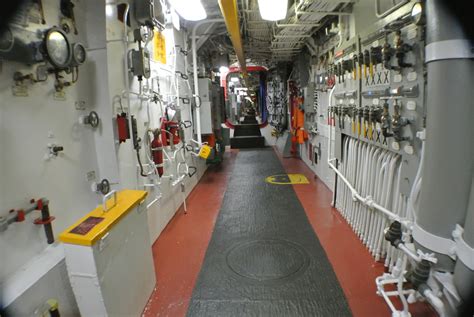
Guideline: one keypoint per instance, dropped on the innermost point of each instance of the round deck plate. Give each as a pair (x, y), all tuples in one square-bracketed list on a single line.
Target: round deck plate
[(267, 260)]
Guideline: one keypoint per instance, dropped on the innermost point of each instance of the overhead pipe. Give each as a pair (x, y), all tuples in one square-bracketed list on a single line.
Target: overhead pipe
[(195, 75), (231, 19), (448, 165)]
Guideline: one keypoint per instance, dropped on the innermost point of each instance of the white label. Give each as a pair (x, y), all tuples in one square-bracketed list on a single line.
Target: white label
[(80, 105), (375, 101), (90, 176), (59, 95), (397, 78), (411, 76), (20, 90), (411, 34), (395, 145), (408, 149), (411, 105)]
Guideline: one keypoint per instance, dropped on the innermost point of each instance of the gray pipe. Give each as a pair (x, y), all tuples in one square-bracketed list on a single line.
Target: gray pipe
[(464, 276), (449, 146)]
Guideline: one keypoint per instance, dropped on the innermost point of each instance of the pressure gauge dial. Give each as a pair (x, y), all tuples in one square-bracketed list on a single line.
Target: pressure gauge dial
[(417, 13), (57, 47), (79, 54)]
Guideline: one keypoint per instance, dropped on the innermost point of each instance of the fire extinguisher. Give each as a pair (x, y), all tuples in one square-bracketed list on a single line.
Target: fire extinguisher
[(157, 151), (169, 129)]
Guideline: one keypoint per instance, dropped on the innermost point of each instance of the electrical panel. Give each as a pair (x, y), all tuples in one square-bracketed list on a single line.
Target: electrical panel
[(309, 98), (211, 106), (276, 103)]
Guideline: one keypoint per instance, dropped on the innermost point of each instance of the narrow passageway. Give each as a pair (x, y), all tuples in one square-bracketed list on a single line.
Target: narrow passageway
[(271, 249), (264, 258)]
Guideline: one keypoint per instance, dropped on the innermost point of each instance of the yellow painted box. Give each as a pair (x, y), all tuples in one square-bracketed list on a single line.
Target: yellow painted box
[(109, 257)]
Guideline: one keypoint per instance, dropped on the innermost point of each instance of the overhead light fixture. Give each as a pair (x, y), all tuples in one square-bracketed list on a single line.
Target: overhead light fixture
[(223, 69), (191, 10), (273, 10)]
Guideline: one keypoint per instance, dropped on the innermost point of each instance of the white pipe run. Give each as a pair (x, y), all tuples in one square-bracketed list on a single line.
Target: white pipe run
[(195, 75), (368, 201), (368, 174)]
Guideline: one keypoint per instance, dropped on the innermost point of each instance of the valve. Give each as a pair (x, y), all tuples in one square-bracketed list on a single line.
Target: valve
[(360, 116), (92, 119), (393, 234), (371, 122), (375, 58), (103, 187), (365, 122), (346, 67), (355, 60), (366, 62), (353, 115), (387, 53), (53, 151), (419, 276), (385, 120), (398, 122), (401, 49)]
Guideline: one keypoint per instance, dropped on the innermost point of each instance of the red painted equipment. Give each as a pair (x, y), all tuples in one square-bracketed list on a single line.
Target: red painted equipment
[(169, 129), (157, 152), (299, 135), (122, 127)]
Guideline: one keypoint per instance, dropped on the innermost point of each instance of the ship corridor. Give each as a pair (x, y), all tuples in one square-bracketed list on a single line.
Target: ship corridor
[(236, 158)]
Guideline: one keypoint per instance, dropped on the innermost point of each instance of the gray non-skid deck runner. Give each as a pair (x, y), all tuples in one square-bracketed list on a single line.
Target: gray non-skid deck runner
[(264, 258)]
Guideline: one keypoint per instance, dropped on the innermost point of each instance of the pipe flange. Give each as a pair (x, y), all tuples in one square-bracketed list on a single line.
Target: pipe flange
[(464, 252)]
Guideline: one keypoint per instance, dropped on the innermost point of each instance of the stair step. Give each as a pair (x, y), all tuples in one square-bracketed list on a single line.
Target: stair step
[(244, 142), (247, 130)]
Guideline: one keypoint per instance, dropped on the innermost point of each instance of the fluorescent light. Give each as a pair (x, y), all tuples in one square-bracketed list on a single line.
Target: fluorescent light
[(223, 69), (109, 10), (273, 10), (191, 10)]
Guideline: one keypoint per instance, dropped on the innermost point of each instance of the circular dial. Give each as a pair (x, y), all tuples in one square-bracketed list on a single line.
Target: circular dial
[(417, 13), (79, 53), (57, 48)]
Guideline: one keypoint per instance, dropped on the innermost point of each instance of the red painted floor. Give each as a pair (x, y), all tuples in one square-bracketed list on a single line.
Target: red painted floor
[(180, 249), (354, 266)]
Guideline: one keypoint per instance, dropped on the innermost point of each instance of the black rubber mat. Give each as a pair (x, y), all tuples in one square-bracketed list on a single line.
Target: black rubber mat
[(264, 258)]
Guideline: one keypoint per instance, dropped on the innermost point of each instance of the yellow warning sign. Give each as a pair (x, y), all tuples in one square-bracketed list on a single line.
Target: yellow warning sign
[(159, 47), (287, 179), (205, 151)]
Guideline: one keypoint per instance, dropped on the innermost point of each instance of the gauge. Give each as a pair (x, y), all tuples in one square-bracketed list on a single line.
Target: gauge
[(79, 54), (417, 13), (6, 41), (57, 48)]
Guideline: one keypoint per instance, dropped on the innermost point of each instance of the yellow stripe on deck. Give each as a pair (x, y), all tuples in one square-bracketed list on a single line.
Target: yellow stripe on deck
[(287, 179)]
